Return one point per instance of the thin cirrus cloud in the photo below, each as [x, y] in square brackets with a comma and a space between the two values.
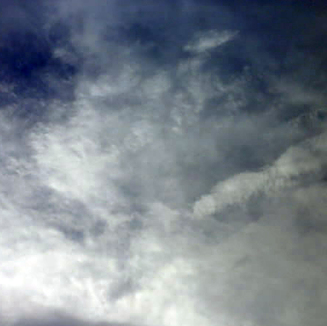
[179, 184]
[286, 172]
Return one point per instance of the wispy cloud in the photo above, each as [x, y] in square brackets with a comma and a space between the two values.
[170, 187]
[204, 42]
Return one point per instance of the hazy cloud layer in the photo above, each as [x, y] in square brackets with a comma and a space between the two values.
[162, 164]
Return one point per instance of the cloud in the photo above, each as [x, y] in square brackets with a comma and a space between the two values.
[209, 40]
[169, 187]
[49, 318]
[295, 164]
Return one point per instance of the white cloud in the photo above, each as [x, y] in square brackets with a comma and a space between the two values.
[209, 40]
[285, 172]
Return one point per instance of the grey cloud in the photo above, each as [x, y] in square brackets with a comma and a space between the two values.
[59, 319]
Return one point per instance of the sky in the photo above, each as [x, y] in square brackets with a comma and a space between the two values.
[163, 163]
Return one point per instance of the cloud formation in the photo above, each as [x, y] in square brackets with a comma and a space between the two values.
[162, 167]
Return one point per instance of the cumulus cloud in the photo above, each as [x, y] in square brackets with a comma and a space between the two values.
[146, 182]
